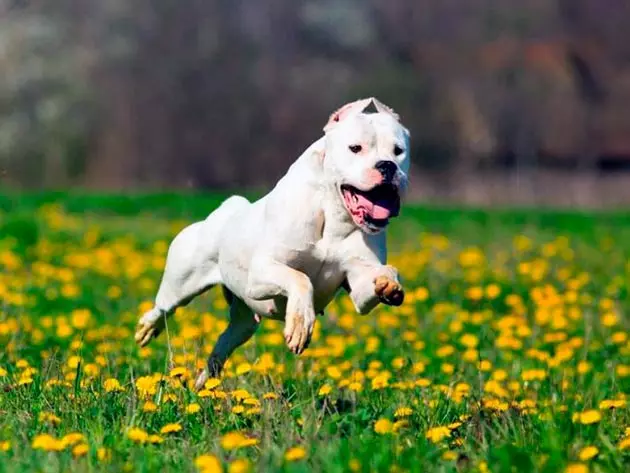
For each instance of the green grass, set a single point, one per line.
(515, 326)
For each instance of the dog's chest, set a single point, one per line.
(324, 270)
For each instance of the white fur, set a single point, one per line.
(292, 250)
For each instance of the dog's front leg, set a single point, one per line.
(370, 283)
(268, 279)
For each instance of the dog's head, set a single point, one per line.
(367, 159)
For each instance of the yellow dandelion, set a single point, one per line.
(437, 434)
(80, 450)
(208, 464)
(587, 453)
(449, 455)
(399, 425)
(236, 440)
(112, 385)
(469, 340)
(5, 446)
(270, 396)
(240, 394)
(73, 438)
(193, 408)
(383, 426)
(403, 412)
(170, 429)
(576, 468)
(104, 454)
(155, 439)
(588, 417)
(49, 418)
(398, 363)
(149, 406)
(325, 390)
(295, 454)
(240, 466)
(180, 372)
(137, 435)
(612, 404)
(584, 367)
(47, 442)
(243, 368)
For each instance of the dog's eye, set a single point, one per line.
(398, 150)
(355, 148)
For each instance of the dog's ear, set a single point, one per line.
(344, 112)
(369, 105)
(382, 108)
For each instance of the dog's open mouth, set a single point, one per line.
(373, 208)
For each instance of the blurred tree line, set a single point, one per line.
(227, 93)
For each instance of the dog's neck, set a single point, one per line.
(309, 169)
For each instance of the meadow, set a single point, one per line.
(510, 353)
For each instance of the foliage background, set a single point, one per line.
(507, 100)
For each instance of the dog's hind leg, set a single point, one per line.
(191, 269)
(242, 326)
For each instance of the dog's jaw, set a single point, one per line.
(371, 210)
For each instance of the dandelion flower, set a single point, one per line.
(47, 442)
(612, 404)
(80, 450)
(209, 464)
(149, 406)
(588, 417)
(155, 439)
(576, 468)
(325, 390)
(170, 428)
(449, 455)
(112, 385)
(383, 426)
(236, 440)
(437, 434)
(49, 418)
(240, 466)
(193, 408)
(587, 453)
(403, 412)
(104, 454)
(137, 435)
(295, 454)
(73, 438)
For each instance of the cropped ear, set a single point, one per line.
(382, 108)
(369, 105)
(344, 112)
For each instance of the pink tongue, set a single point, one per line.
(374, 210)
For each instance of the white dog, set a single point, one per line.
(286, 255)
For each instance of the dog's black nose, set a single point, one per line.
(387, 169)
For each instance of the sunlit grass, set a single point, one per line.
(511, 350)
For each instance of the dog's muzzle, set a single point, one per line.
(371, 210)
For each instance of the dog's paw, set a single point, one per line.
(150, 326)
(298, 330)
(201, 380)
(389, 292)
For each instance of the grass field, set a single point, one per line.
(511, 352)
